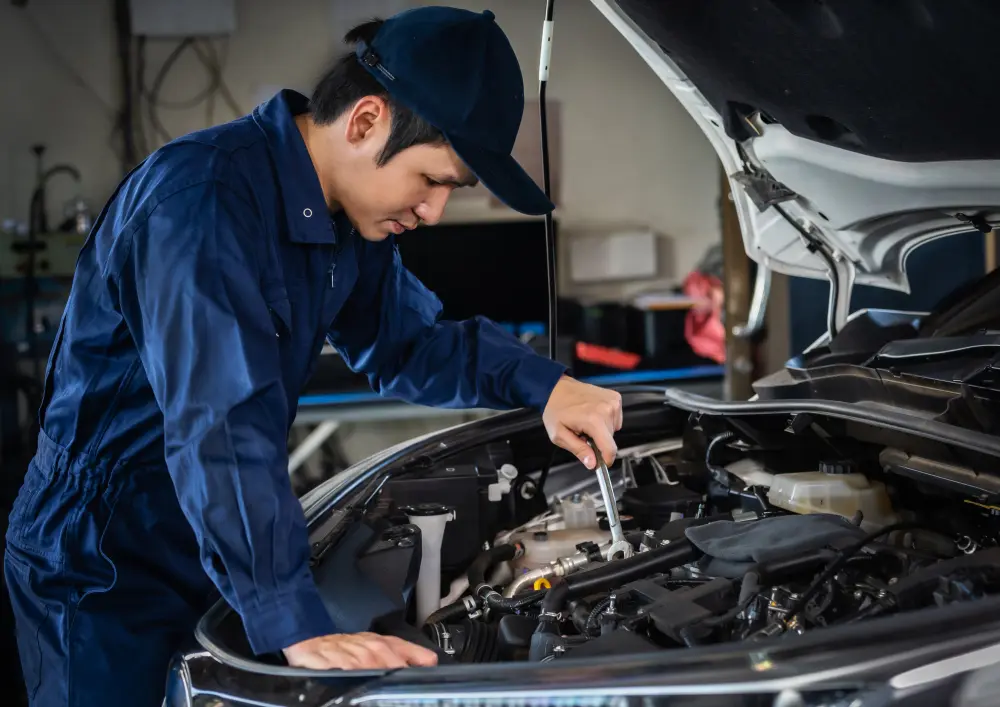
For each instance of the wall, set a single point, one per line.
(631, 155)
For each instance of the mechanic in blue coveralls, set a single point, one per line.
(197, 313)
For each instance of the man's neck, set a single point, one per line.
(310, 136)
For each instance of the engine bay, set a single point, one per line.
(733, 538)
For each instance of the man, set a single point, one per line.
(197, 313)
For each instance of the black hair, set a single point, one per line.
(347, 81)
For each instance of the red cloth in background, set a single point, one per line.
(703, 326)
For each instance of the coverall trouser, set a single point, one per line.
(104, 579)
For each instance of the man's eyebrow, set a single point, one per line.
(468, 180)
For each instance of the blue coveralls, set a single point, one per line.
(197, 313)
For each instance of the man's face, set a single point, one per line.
(412, 188)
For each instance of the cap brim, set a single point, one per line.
(504, 177)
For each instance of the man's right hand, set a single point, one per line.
(358, 651)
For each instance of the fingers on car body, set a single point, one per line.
(362, 651)
(413, 654)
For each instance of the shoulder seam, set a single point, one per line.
(128, 233)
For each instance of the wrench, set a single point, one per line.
(620, 547)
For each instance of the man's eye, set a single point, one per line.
(432, 182)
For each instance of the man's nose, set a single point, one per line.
(431, 209)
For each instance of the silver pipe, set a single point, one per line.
(559, 568)
(528, 579)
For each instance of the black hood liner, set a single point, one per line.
(970, 308)
(909, 80)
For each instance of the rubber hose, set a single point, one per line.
(592, 618)
(774, 571)
(507, 605)
(493, 599)
(546, 637)
(720, 474)
(475, 642)
(447, 613)
(690, 634)
(749, 587)
(619, 572)
(837, 565)
(485, 560)
(762, 574)
(579, 612)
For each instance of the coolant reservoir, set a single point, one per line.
(546, 546)
(840, 494)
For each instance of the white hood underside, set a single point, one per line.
(870, 212)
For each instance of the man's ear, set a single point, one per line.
(369, 116)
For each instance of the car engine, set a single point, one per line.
(726, 545)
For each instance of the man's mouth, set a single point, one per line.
(398, 227)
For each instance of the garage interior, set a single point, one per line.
(654, 283)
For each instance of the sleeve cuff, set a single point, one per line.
(286, 619)
(536, 378)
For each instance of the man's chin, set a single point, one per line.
(374, 233)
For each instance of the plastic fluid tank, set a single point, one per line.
(546, 546)
(431, 518)
(840, 494)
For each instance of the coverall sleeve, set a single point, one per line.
(391, 329)
(190, 293)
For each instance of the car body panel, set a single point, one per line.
(870, 211)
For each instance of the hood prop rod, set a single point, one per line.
(816, 246)
(544, 60)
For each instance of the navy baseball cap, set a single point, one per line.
(456, 70)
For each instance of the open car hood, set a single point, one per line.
(869, 125)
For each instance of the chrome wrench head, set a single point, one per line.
(619, 550)
(620, 547)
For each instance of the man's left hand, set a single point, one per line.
(575, 409)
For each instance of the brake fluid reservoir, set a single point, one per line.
(837, 493)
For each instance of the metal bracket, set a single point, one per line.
(977, 221)
(763, 190)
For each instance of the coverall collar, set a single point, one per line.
(305, 208)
